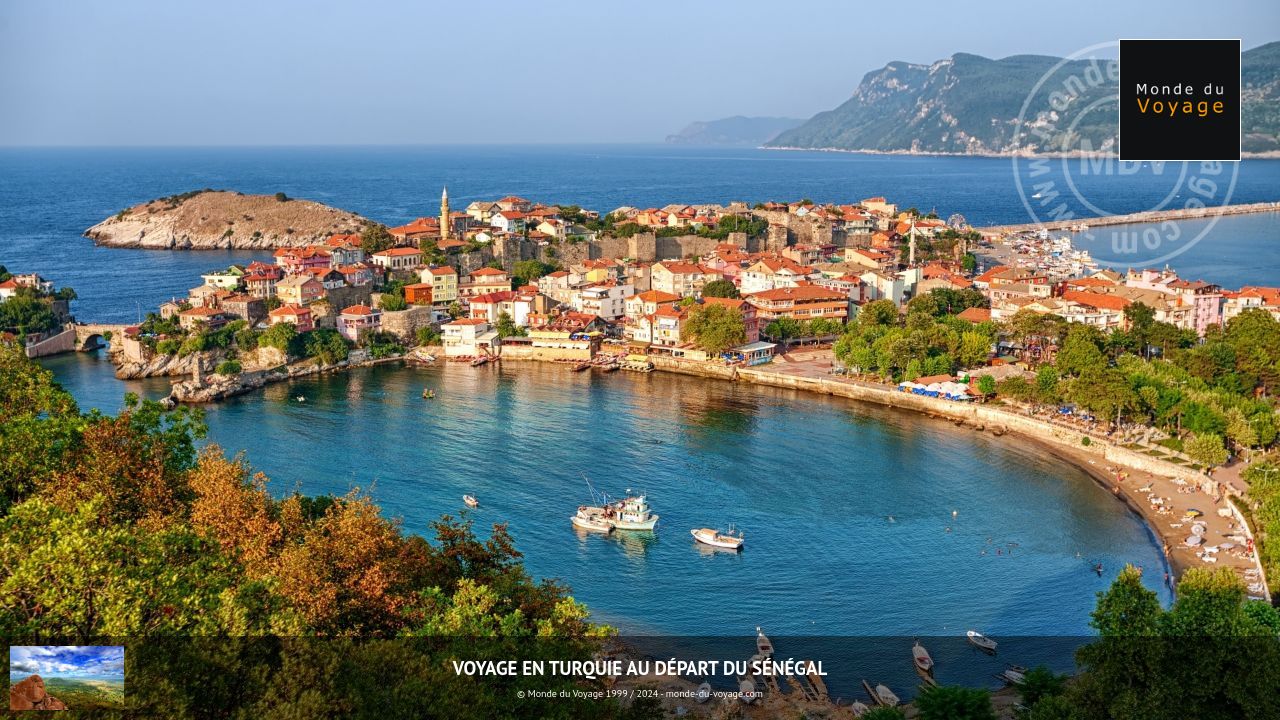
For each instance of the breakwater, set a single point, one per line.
(1149, 216)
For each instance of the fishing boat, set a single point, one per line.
(763, 643)
(704, 693)
(592, 519)
(470, 501)
(980, 641)
(631, 513)
(920, 656)
(480, 361)
(859, 708)
(715, 538)
(582, 366)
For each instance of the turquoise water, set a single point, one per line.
(812, 481)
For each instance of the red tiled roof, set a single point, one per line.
(357, 310)
(975, 315)
(398, 252)
(1097, 300)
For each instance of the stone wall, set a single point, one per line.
(529, 352)
(405, 323)
(64, 341)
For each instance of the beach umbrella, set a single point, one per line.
(1193, 513)
(1227, 545)
(1193, 540)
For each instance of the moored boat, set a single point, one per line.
(582, 366)
(715, 538)
(480, 361)
(887, 698)
(922, 659)
(859, 708)
(631, 513)
(747, 688)
(470, 501)
(592, 519)
(763, 643)
(980, 641)
(704, 692)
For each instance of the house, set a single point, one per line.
(345, 253)
(468, 337)
(681, 278)
(300, 317)
(556, 285)
(398, 258)
(246, 307)
(647, 303)
(357, 275)
(606, 300)
(444, 283)
(356, 320)
(8, 289)
(418, 294)
(416, 230)
(803, 302)
(228, 279)
(508, 221)
(197, 317)
(750, 318)
(206, 295)
(263, 284)
(874, 259)
(770, 273)
(329, 278)
(484, 280)
(975, 315)
(170, 309)
(299, 289)
(518, 305)
(296, 260)
(667, 324)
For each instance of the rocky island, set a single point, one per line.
(219, 219)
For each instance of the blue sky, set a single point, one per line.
(86, 661)
(255, 72)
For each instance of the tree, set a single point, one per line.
(782, 329)
(325, 345)
(1038, 683)
(427, 335)
(715, 328)
(987, 385)
(720, 289)
(953, 702)
(281, 197)
(1081, 351)
(279, 336)
(507, 327)
(1207, 449)
(884, 713)
(526, 272)
(375, 237)
(878, 312)
(392, 302)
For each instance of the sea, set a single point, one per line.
(864, 527)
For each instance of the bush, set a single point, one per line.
(228, 367)
(168, 346)
(1085, 441)
(428, 336)
(281, 197)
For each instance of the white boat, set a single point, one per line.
(748, 689)
(715, 538)
(471, 501)
(1012, 676)
(921, 658)
(981, 641)
(704, 692)
(301, 398)
(859, 708)
(763, 644)
(886, 695)
(632, 513)
(591, 519)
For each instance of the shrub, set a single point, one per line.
(281, 197)
(228, 367)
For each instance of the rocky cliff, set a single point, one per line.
(29, 694)
(216, 219)
(737, 130)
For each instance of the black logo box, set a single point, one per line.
(1180, 65)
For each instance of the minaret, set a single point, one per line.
(911, 260)
(444, 214)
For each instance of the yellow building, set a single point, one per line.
(444, 284)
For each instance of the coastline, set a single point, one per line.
(1268, 155)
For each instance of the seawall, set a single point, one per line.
(1150, 216)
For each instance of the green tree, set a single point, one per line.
(715, 328)
(526, 272)
(392, 302)
(280, 336)
(782, 329)
(1207, 449)
(374, 237)
(1038, 683)
(720, 289)
(987, 385)
(884, 713)
(427, 335)
(507, 327)
(325, 345)
(228, 367)
(952, 702)
(878, 312)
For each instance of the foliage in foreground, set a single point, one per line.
(234, 603)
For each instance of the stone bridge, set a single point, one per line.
(90, 336)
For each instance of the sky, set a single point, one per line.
(85, 661)
(395, 72)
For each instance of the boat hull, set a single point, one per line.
(714, 539)
(634, 525)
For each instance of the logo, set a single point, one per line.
(1068, 173)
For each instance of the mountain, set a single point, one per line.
(969, 104)
(737, 130)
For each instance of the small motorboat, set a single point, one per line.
(859, 708)
(886, 696)
(428, 394)
(763, 644)
(301, 398)
(471, 501)
(1013, 675)
(582, 366)
(980, 641)
(704, 693)
(479, 361)
(747, 688)
(715, 538)
(920, 656)
(591, 520)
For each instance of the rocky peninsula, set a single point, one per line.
(220, 219)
